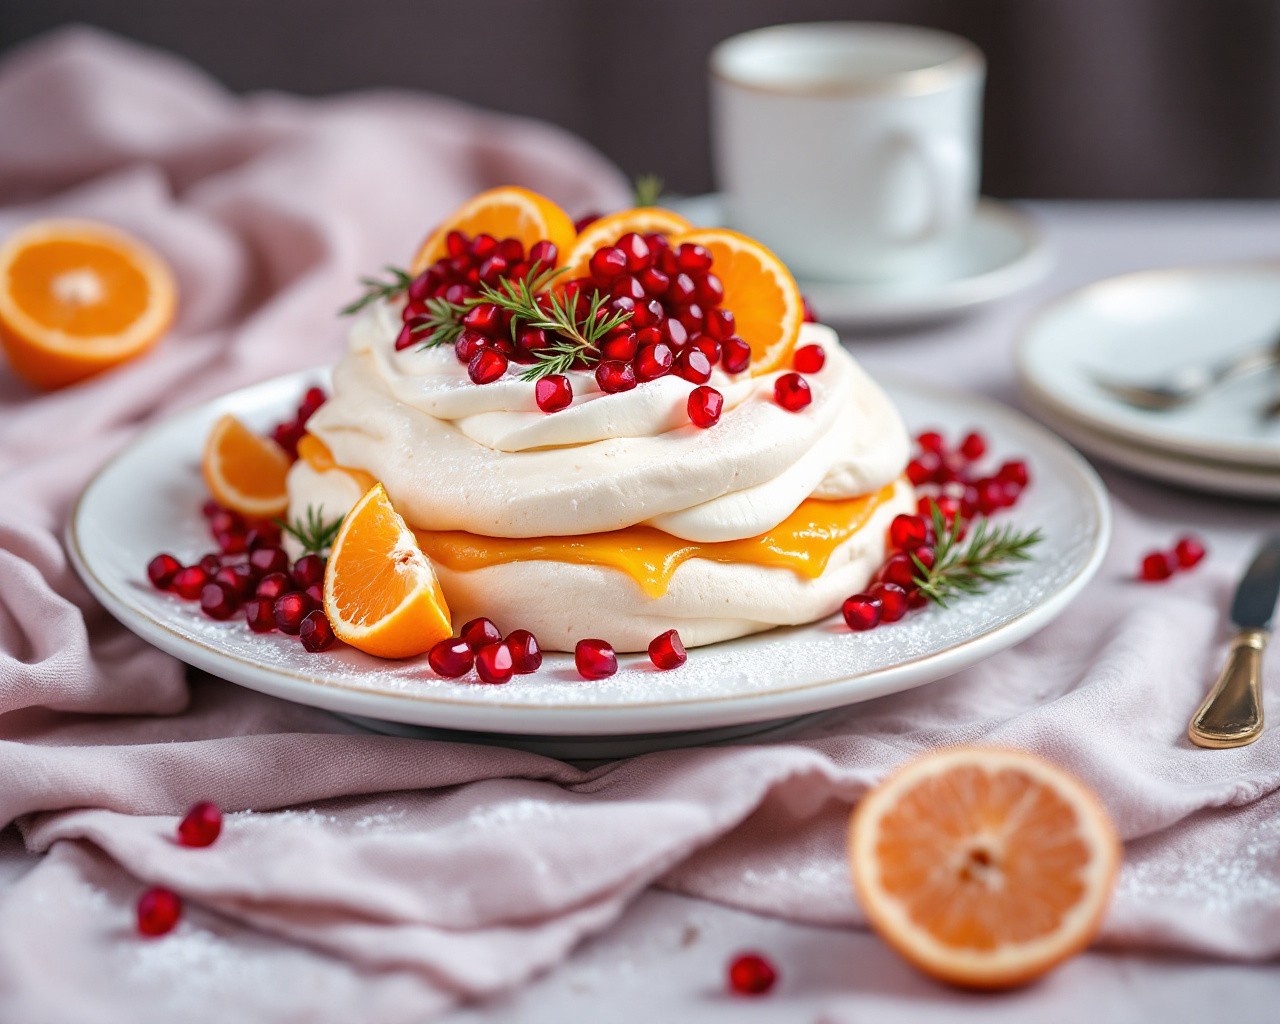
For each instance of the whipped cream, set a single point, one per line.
(486, 459)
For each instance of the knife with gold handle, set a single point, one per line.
(1231, 716)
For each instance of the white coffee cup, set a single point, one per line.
(851, 149)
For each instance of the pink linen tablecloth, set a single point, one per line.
(373, 878)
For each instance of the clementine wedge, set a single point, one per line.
(604, 231)
(381, 594)
(506, 212)
(245, 472)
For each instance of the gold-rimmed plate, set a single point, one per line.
(148, 498)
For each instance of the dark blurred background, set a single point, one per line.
(1085, 98)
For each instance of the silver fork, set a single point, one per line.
(1187, 383)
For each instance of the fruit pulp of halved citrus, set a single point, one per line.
(381, 594)
(245, 472)
(760, 291)
(79, 297)
(607, 230)
(983, 867)
(507, 212)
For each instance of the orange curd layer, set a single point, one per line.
(803, 542)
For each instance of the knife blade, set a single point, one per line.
(1231, 715)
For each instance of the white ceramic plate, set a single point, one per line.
(1002, 251)
(147, 500)
(1138, 327)
(1198, 474)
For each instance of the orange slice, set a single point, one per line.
(759, 289)
(380, 593)
(607, 230)
(245, 472)
(77, 298)
(983, 867)
(507, 212)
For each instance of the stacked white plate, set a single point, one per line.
(1139, 328)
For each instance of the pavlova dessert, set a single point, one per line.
(610, 430)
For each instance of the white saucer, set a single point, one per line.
(1002, 251)
(1137, 327)
(1197, 474)
(784, 673)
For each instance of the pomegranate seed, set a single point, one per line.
(239, 579)
(309, 570)
(162, 569)
(651, 335)
(479, 633)
(201, 826)
(290, 609)
(1014, 472)
(486, 366)
(901, 570)
(595, 659)
(273, 585)
(693, 258)
(210, 563)
(533, 339)
(210, 509)
(682, 290)
(974, 446)
(931, 441)
(862, 611)
(553, 392)
(674, 333)
(526, 655)
(420, 287)
(620, 346)
(710, 291)
(628, 288)
(544, 253)
(693, 365)
(226, 521)
(456, 243)
(809, 358)
(263, 535)
(189, 582)
(791, 391)
(636, 251)
(468, 344)
(735, 354)
(907, 532)
(810, 317)
(992, 496)
(666, 650)
(315, 632)
(316, 593)
(451, 658)
(1156, 566)
(608, 263)
(158, 911)
(494, 663)
(647, 314)
(614, 376)
(585, 221)
(494, 268)
(654, 361)
(719, 323)
(233, 542)
(1189, 551)
(692, 318)
(893, 600)
(709, 347)
(259, 614)
(485, 318)
(750, 974)
(265, 560)
(511, 250)
(704, 406)
(654, 281)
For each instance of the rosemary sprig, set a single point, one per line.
(315, 535)
(961, 568)
(376, 289)
(442, 322)
(647, 190)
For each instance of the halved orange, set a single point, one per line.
(507, 212)
(760, 291)
(77, 298)
(381, 594)
(983, 867)
(607, 230)
(245, 472)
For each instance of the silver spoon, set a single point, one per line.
(1190, 382)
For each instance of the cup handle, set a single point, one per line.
(905, 146)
